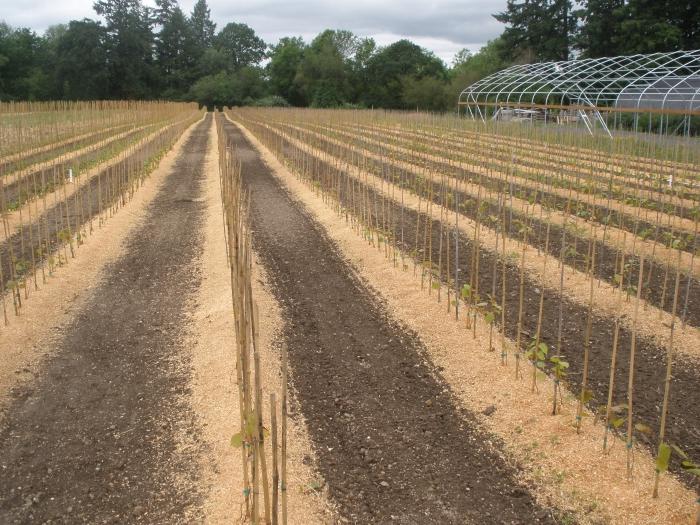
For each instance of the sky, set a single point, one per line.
(442, 26)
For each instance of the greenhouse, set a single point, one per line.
(657, 93)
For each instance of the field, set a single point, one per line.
(334, 316)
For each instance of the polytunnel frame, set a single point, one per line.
(595, 85)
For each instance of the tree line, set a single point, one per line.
(138, 52)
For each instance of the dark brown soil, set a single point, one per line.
(93, 439)
(392, 444)
(684, 409)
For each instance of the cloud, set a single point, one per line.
(443, 26)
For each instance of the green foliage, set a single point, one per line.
(601, 28)
(468, 68)
(323, 75)
(427, 93)
(285, 59)
(537, 30)
(663, 459)
(202, 27)
(391, 69)
(129, 42)
(229, 89)
(271, 101)
(537, 353)
(80, 65)
(241, 46)
(559, 366)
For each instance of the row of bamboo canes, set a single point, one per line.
(265, 493)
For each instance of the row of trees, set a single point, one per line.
(137, 52)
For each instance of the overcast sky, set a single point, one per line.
(443, 26)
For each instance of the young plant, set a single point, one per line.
(559, 369)
(537, 354)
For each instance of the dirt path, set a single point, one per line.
(106, 433)
(390, 441)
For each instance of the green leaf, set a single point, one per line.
(678, 451)
(617, 422)
(466, 291)
(237, 440)
(587, 395)
(663, 457)
(251, 423)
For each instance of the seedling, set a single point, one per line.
(537, 354)
(559, 369)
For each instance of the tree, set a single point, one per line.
(324, 73)
(202, 27)
(212, 62)
(599, 33)
(387, 71)
(174, 53)
(248, 85)
(285, 58)
(461, 57)
(129, 43)
(164, 11)
(81, 62)
(468, 68)
(23, 57)
(241, 45)
(212, 90)
(364, 51)
(427, 93)
(229, 89)
(537, 29)
(649, 26)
